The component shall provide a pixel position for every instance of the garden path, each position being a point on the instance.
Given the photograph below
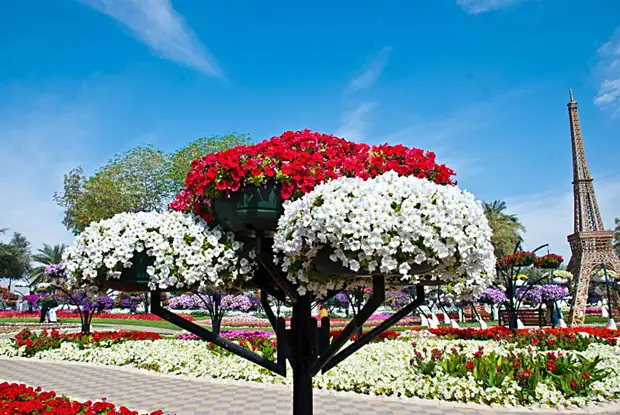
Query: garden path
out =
(147, 391)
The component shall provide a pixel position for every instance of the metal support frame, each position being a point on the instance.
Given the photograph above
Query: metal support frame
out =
(306, 346)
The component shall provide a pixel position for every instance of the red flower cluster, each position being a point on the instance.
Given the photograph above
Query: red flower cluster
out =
(518, 259)
(64, 314)
(548, 261)
(21, 399)
(298, 161)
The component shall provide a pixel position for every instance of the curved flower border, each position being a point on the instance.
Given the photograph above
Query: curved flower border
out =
(186, 251)
(387, 225)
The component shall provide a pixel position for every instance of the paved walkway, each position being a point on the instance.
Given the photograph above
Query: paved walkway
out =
(147, 391)
(131, 327)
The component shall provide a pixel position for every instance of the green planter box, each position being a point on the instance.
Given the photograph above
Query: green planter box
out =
(326, 266)
(134, 278)
(250, 209)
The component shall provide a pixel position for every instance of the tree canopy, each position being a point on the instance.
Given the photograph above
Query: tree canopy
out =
(140, 179)
(14, 257)
(506, 228)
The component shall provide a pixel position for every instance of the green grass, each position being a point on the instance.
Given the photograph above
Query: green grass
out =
(99, 321)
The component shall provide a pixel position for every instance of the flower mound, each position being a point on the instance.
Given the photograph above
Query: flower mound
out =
(187, 252)
(298, 161)
(21, 399)
(385, 225)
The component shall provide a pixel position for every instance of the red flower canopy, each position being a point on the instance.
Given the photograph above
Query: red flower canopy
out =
(298, 161)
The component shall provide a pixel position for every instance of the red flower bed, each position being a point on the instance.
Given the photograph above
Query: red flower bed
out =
(21, 399)
(75, 314)
(298, 161)
(34, 342)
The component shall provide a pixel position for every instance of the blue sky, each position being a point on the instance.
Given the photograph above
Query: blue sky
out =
(483, 83)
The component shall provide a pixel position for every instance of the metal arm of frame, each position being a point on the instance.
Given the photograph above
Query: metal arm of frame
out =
(375, 300)
(209, 336)
(386, 324)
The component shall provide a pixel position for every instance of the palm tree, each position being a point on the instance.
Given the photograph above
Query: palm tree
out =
(506, 228)
(48, 255)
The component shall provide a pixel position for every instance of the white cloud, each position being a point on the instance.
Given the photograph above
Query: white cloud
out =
(608, 69)
(548, 218)
(369, 73)
(159, 26)
(40, 143)
(355, 121)
(482, 6)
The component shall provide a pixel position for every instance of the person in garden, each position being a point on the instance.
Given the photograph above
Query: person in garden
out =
(323, 311)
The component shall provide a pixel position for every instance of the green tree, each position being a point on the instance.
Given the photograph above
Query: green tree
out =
(506, 228)
(181, 160)
(48, 255)
(141, 179)
(617, 237)
(14, 258)
(134, 181)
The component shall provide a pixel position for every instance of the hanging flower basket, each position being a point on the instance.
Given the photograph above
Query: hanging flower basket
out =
(295, 162)
(250, 208)
(518, 259)
(411, 230)
(549, 261)
(147, 250)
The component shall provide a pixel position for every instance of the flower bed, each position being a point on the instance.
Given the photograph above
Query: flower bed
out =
(29, 343)
(21, 399)
(71, 314)
(389, 368)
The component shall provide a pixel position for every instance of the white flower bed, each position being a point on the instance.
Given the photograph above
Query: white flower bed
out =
(387, 225)
(377, 369)
(186, 250)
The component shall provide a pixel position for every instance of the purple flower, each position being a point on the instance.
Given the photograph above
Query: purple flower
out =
(56, 270)
(492, 296)
(552, 292)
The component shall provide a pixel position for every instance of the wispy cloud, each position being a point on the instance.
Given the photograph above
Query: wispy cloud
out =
(159, 26)
(355, 120)
(608, 68)
(369, 74)
(548, 218)
(483, 6)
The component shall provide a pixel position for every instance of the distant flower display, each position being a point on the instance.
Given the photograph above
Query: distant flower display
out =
(56, 270)
(548, 261)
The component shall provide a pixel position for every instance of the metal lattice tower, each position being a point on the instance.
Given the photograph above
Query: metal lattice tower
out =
(590, 243)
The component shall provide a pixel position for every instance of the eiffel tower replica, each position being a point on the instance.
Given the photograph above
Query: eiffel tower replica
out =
(590, 243)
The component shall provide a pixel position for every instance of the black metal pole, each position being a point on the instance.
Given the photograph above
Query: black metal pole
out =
(608, 292)
(301, 356)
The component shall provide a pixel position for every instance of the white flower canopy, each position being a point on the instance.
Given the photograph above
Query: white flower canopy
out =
(187, 252)
(388, 225)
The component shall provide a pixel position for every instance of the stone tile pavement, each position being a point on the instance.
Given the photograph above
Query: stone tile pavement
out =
(147, 391)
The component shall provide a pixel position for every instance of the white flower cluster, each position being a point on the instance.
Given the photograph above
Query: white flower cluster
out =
(387, 225)
(186, 251)
(377, 369)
